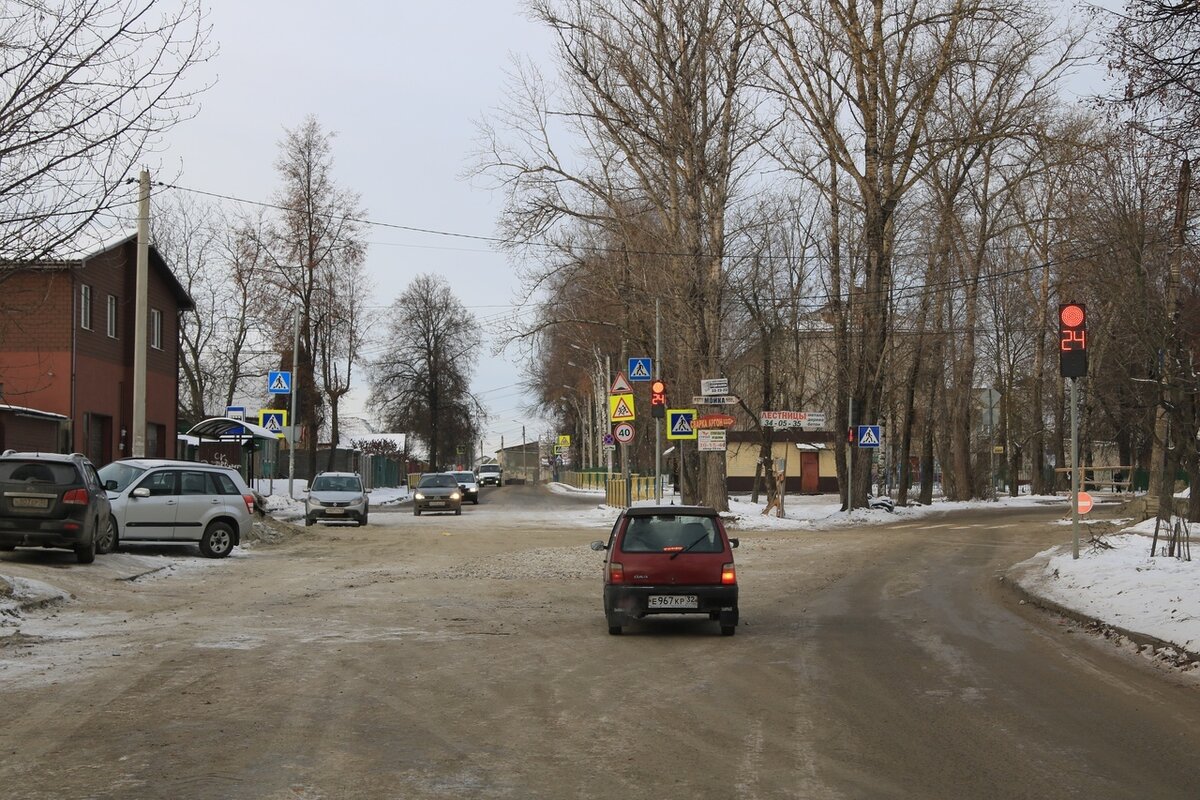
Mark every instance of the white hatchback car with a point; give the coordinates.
(159, 500)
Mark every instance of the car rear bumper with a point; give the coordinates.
(633, 602)
(42, 533)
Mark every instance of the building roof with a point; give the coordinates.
(23, 411)
(90, 245)
(216, 427)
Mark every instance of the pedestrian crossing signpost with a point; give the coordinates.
(273, 419)
(868, 436)
(640, 369)
(681, 423)
(279, 382)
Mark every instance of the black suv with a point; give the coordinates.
(49, 500)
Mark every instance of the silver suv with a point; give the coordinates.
(336, 497)
(159, 500)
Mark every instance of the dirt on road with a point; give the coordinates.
(446, 657)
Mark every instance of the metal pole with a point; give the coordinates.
(1075, 465)
(657, 421)
(141, 313)
(292, 400)
(608, 428)
(849, 457)
(524, 468)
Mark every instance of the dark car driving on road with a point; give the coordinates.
(669, 560)
(49, 500)
(437, 491)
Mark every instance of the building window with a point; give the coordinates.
(112, 317)
(156, 329)
(85, 306)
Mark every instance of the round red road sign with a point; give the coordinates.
(1085, 502)
(624, 433)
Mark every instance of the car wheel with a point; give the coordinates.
(458, 511)
(475, 501)
(86, 553)
(309, 521)
(217, 541)
(416, 512)
(362, 521)
(7, 548)
(614, 630)
(728, 630)
(108, 539)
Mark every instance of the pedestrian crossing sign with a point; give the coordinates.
(681, 423)
(279, 382)
(868, 436)
(273, 419)
(639, 369)
(620, 408)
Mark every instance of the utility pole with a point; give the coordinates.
(1075, 466)
(295, 391)
(141, 314)
(524, 468)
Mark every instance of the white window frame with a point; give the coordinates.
(85, 306)
(156, 329)
(112, 317)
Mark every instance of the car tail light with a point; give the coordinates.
(728, 575)
(76, 497)
(616, 573)
(249, 498)
(70, 526)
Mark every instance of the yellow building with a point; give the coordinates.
(808, 456)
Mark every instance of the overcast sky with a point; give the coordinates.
(402, 85)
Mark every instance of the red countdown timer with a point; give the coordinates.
(1072, 340)
(658, 400)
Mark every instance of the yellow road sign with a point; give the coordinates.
(273, 419)
(620, 408)
(564, 440)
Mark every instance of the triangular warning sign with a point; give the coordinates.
(280, 384)
(868, 437)
(640, 371)
(622, 409)
(682, 425)
(620, 385)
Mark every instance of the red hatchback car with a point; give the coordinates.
(669, 560)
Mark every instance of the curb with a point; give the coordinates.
(1010, 580)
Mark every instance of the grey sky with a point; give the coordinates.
(401, 84)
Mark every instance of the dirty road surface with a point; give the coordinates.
(467, 656)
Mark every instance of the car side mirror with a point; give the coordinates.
(110, 485)
(734, 542)
(141, 491)
(598, 546)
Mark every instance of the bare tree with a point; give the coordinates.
(89, 88)
(310, 249)
(421, 382)
(656, 95)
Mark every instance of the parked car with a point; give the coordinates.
(669, 560)
(437, 491)
(336, 497)
(51, 500)
(490, 473)
(160, 500)
(468, 486)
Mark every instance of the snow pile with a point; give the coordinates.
(19, 593)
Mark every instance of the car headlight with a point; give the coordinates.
(419, 496)
(472, 488)
(456, 496)
(357, 500)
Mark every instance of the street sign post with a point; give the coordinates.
(620, 385)
(714, 421)
(623, 433)
(1085, 503)
(279, 382)
(680, 423)
(711, 440)
(717, 386)
(238, 413)
(868, 436)
(809, 420)
(620, 408)
(714, 400)
(274, 420)
(640, 369)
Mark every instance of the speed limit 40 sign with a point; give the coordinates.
(624, 433)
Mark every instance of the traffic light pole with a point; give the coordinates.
(1075, 465)
(657, 421)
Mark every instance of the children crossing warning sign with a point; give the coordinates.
(620, 408)
(681, 423)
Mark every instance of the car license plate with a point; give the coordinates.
(437, 502)
(673, 601)
(335, 511)
(30, 502)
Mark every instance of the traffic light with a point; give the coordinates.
(1072, 340)
(850, 432)
(658, 400)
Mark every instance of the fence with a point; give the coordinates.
(640, 488)
(585, 480)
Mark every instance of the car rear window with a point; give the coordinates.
(222, 483)
(50, 472)
(465, 477)
(671, 533)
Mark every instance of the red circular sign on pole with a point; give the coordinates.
(624, 433)
(1085, 502)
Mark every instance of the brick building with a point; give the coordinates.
(66, 346)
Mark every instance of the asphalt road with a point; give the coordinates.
(446, 657)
